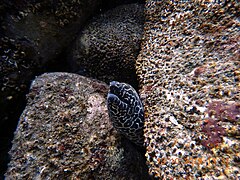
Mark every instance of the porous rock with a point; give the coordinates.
(64, 132)
(188, 69)
(33, 38)
(109, 45)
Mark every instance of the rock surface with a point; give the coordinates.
(65, 133)
(189, 76)
(109, 45)
(33, 38)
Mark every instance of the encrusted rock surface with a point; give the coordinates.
(189, 72)
(65, 133)
(33, 35)
(108, 46)
(33, 38)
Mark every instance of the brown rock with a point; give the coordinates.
(33, 38)
(65, 133)
(190, 89)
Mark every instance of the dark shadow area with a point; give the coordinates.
(138, 155)
(111, 4)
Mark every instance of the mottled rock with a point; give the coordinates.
(34, 36)
(65, 133)
(189, 76)
(109, 45)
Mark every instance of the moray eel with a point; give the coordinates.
(126, 111)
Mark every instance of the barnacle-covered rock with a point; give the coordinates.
(125, 110)
(108, 46)
(188, 69)
(65, 133)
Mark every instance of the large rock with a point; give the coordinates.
(189, 76)
(65, 133)
(109, 45)
(34, 36)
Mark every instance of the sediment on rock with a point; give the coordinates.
(65, 132)
(189, 75)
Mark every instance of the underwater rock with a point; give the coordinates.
(65, 132)
(108, 46)
(34, 36)
(188, 69)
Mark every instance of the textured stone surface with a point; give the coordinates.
(109, 45)
(34, 36)
(65, 133)
(189, 76)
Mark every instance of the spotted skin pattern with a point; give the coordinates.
(126, 111)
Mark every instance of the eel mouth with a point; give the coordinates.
(116, 88)
(112, 97)
(114, 94)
